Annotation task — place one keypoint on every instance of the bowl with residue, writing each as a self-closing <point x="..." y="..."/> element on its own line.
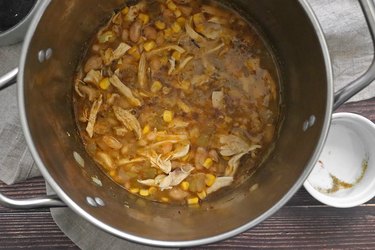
<point x="344" y="176"/>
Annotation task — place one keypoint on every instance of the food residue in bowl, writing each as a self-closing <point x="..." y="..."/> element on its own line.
<point x="338" y="184"/>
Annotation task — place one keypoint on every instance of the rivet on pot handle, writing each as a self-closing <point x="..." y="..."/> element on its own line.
<point x="39" y="202"/>
<point x="357" y="85"/>
<point x="8" y="79"/>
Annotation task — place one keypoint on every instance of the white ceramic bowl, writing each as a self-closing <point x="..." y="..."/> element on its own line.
<point x="345" y="173"/>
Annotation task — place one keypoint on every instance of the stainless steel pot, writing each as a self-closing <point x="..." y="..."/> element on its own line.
<point x="51" y="51"/>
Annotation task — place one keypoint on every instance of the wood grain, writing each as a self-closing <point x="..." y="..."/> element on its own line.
<point x="302" y="223"/>
<point x="310" y="228"/>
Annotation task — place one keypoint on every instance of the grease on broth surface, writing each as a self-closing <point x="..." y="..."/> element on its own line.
<point x="172" y="96"/>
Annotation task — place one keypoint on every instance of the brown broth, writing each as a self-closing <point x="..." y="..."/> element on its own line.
<point x="167" y="109"/>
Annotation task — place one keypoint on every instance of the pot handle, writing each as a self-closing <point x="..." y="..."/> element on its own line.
<point x="8" y="79"/>
<point x="40" y="202"/>
<point x="47" y="201"/>
<point x="344" y="94"/>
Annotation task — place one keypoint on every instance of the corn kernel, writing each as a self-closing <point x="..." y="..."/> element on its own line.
<point x="164" y="199"/>
<point x="104" y="83"/>
<point x="144" y="192"/>
<point x="144" y="18"/>
<point x="176" y="28"/>
<point x="199" y="28"/>
<point x="184" y="107"/>
<point x="172" y="6"/>
<point x="210" y="179"/>
<point x="112" y="173"/>
<point x="146" y="129"/>
<point x="202" y="195"/>
<point x="134" y="190"/>
<point x="156" y="86"/>
<point x="185" y="185"/>
<point x="125" y="10"/>
<point x="164" y="60"/>
<point x="133" y="51"/>
<point x="193" y="201"/>
<point x="181" y="21"/>
<point x="148" y="46"/>
<point x="168" y="116"/>
<point x="185" y="85"/>
<point x="160" y="25"/>
<point x="208" y="163"/>
<point x="152" y="190"/>
<point x="177" y="13"/>
<point x="168" y="33"/>
<point x="176" y="55"/>
<point x="198" y="18"/>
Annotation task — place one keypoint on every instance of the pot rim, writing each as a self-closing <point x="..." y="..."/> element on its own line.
<point x="16" y="33"/>
<point x="189" y="243"/>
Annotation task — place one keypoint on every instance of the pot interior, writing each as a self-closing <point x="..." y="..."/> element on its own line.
<point x="67" y="26"/>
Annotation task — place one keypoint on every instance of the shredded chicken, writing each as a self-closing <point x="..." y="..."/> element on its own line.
<point x="171" y="180"/>
<point x="217" y="48"/>
<point x="134" y="11"/>
<point x="164" y="48"/>
<point x="219" y="183"/>
<point x="183" y="64"/>
<point x="128" y="161"/>
<point x="142" y="71"/>
<point x="176" y="177"/>
<point x="181" y="152"/>
<point x="105" y="160"/>
<point x="93" y="77"/>
<point x="172" y="66"/>
<point x="124" y="90"/>
<point x="199" y="80"/>
<point x="76" y="88"/>
<point x="120" y="51"/>
<point x="91" y="93"/>
<point x="233" y="164"/>
<point x="212" y="31"/>
<point x="218" y="100"/>
<point x="128" y="120"/>
<point x="233" y="145"/>
<point x="164" y="164"/>
<point x="93" y="113"/>
<point x="192" y="33"/>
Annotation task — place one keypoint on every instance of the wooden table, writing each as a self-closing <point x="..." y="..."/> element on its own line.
<point x="302" y="223"/>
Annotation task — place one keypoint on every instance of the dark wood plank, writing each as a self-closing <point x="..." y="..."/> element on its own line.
<point x="365" y="108"/>
<point x="31" y="188"/>
<point x="297" y="227"/>
<point x="35" y="230"/>
<point x="309" y="228"/>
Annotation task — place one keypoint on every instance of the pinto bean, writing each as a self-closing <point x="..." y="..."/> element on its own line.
<point x="125" y="35"/>
<point x="155" y="64"/>
<point x="178" y="194"/>
<point x="200" y="157"/>
<point x="150" y="33"/>
<point x="112" y="142"/>
<point x="160" y="38"/>
<point x="93" y="63"/>
<point x="135" y="31"/>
